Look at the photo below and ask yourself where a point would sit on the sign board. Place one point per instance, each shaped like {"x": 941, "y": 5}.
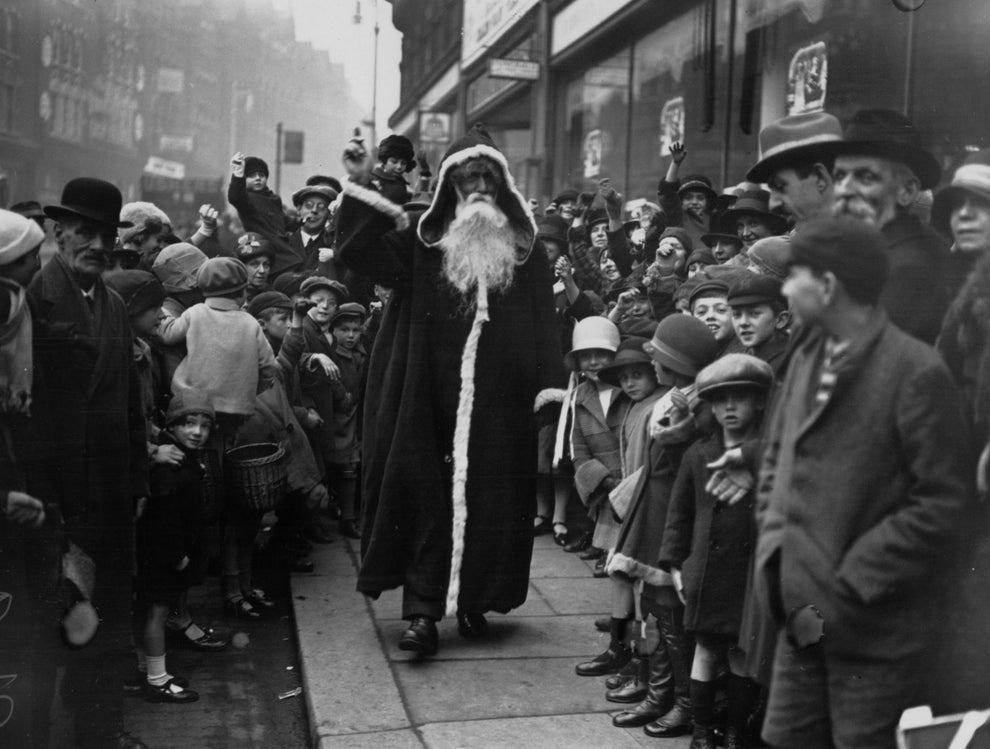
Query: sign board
{"x": 182, "y": 143}
{"x": 292, "y": 147}
{"x": 594, "y": 152}
{"x": 807, "y": 79}
{"x": 434, "y": 127}
{"x": 171, "y": 80}
{"x": 671, "y": 124}
{"x": 520, "y": 70}
{"x": 486, "y": 21}
{"x": 160, "y": 167}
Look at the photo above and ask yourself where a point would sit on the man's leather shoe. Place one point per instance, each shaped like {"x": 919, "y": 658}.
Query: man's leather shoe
{"x": 608, "y": 662}
{"x": 625, "y": 674}
{"x": 581, "y": 543}
{"x": 471, "y": 625}
{"x": 676, "y": 722}
{"x": 592, "y": 552}
{"x": 603, "y": 623}
{"x": 635, "y": 717}
{"x": 632, "y": 691}
{"x": 421, "y": 636}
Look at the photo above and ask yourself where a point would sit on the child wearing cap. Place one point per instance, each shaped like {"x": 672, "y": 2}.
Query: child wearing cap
{"x": 760, "y": 317}
{"x": 395, "y": 160}
{"x": 344, "y": 460}
{"x": 680, "y": 347}
{"x": 689, "y": 203}
{"x": 227, "y": 357}
{"x": 167, "y": 542}
{"x": 259, "y": 208}
{"x": 633, "y": 372}
{"x": 723, "y": 242}
{"x": 698, "y": 260}
{"x": 709, "y": 302}
{"x": 707, "y": 545}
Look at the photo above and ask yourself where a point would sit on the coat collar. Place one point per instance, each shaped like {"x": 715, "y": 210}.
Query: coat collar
{"x": 587, "y": 396}
{"x": 223, "y": 304}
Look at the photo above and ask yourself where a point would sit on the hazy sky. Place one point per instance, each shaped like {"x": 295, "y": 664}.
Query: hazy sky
{"x": 329, "y": 25}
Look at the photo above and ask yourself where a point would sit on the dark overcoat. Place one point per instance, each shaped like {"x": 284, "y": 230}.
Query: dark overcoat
{"x": 409, "y": 418}
{"x": 711, "y": 542}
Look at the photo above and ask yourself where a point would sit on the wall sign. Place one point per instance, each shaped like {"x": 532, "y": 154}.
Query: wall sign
{"x": 807, "y": 79}
{"x": 671, "y": 124}
{"x": 594, "y": 152}
{"x": 434, "y": 127}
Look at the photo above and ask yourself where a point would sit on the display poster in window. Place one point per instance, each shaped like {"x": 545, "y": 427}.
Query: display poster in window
{"x": 807, "y": 79}
{"x": 594, "y": 152}
{"x": 671, "y": 124}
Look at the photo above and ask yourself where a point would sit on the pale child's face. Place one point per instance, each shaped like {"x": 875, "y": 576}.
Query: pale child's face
{"x": 640, "y": 307}
{"x": 325, "y": 302}
{"x": 695, "y": 268}
{"x": 736, "y": 409}
{"x": 694, "y": 202}
{"x": 754, "y": 324}
{"x": 637, "y": 381}
{"x": 277, "y": 325}
{"x": 395, "y": 167}
{"x": 347, "y": 333}
{"x": 591, "y": 361}
{"x": 714, "y": 312}
{"x": 256, "y": 182}
{"x": 193, "y": 431}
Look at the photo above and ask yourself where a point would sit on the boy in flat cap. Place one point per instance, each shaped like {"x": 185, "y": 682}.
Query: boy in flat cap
{"x": 760, "y": 317}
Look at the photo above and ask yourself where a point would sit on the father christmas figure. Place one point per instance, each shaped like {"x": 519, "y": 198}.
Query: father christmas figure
{"x": 464, "y": 353}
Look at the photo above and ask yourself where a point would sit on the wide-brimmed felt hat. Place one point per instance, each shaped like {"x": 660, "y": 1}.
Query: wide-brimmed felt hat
{"x": 320, "y": 191}
{"x": 721, "y": 229}
{"x": 972, "y": 178}
{"x": 890, "y": 135}
{"x": 93, "y": 199}
{"x": 700, "y": 183}
{"x": 592, "y": 333}
{"x": 553, "y": 227}
{"x": 630, "y": 352}
{"x": 756, "y": 203}
{"x": 733, "y": 371}
{"x": 794, "y": 139}
{"x": 565, "y": 196}
{"x": 683, "y": 344}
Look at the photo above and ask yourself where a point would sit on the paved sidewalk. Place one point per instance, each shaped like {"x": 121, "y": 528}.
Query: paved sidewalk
{"x": 516, "y": 688}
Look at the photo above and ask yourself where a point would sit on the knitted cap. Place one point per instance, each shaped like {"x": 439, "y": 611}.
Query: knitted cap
{"x": 850, "y": 249}
{"x": 630, "y": 352}
{"x": 754, "y": 288}
{"x": 187, "y": 402}
{"x": 268, "y": 300}
{"x": 220, "y": 276}
{"x": 733, "y": 371}
{"x": 139, "y": 289}
{"x": 771, "y": 255}
{"x": 701, "y": 255}
{"x": 253, "y": 164}
{"x": 592, "y": 333}
{"x": 683, "y": 344}
{"x": 141, "y": 214}
{"x": 680, "y": 235}
{"x": 349, "y": 311}
{"x": 18, "y": 236}
{"x": 177, "y": 266}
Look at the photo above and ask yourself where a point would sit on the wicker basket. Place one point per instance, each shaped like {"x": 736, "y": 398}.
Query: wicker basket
{"x": 256, "y": 475}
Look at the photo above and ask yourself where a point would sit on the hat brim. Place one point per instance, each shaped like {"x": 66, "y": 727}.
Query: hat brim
{"x": 662, "y": 355}
{"x": 924, "y": 165}
{"x": 712, "y": 195}
{"x": 60, "y": 212}
{"x": 707, "y": 392}
{"x": 714, "y": 238}
{"x": 764, "y": 169}
{"x": 610, "y": 374}
{"x": 945, "y": 199}
{"x": 777, "y": 224}
{"x": 746, "y": 300}
{"x": 300, "y": 195}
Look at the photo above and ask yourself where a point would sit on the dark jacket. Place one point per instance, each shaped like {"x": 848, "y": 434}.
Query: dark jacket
{"x": 915, "y": 294}
{"x": 305, "y": 256}
{"x": 670, "y": 202}
{"x": 711, "y": 542}
{"x": 169, "y": 526}
{"x": 587, "y": 270}
{"x": 395, "y": 188}
{"x": 260, "y": 212}
{"x": 860, "y": 496}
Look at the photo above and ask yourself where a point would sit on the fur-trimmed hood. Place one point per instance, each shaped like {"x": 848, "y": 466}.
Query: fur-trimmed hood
{"x": 476, "y": 144}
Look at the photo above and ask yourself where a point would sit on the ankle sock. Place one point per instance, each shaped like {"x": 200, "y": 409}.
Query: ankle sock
{"x": 157, "y": 675}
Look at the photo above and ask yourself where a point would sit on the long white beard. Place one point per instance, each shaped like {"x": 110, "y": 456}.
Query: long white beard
{"x": 479, "y": 244}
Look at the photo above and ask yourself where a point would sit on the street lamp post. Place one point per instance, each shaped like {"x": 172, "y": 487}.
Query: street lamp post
{"x": 374, "y": 69}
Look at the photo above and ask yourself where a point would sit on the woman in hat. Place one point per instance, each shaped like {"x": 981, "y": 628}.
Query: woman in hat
{"x": 752, "y": 218}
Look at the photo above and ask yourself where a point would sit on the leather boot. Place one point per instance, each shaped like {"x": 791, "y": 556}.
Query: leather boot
{"x": 675, "y": 722}
{"x": 680, "y": 650}
{"x": 634, "y": 689}
{"x": 659, "y": 694}
{"x": 613, "y": 659}
{"x": 625, "y": 675}
{"x": 743, "y": 695}
{"x": 702, "y": 714}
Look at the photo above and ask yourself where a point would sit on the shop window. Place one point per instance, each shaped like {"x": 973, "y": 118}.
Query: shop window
{"x": 7, "y": 106}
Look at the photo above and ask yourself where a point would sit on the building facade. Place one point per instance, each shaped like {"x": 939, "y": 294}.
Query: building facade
{"x": 578, "y": 90}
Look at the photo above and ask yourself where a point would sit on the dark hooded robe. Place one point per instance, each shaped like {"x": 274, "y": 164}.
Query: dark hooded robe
{"x": 414, "y": 392}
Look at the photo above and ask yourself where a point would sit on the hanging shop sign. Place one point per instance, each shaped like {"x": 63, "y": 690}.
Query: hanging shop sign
{"x": 520, "y": 70}
{"x": 671, "y": 124}
{"x": 807, "y": 79}
{"x": 160, "y": 167}
{"x": 434, "y": 127}
{"x": 594, "y": 152}
{"x": 486, "y": 21}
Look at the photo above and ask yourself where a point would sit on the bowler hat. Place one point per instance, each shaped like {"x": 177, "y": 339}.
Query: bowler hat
{"x": 317, "y": 191}
{"x": 251, "y": 245}
{"x": 754, "y": 288}
{"x": 699, "y": 183}
{"x": 972, "y": 178}
{"x": 268, "y": 300}
{"x": 592, "y": 333}
{"x": 683, "y": 344}
{"x": 93, "y": 199}
{"x": 794, "y": 139}
{"x": 756, "y": 203}
{"x": 733, "y": 371}
{"x": 630, "y": 352}
{"x": 890, "y": 135}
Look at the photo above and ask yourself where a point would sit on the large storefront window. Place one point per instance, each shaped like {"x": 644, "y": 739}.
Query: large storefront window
{"x": 595, "y": 109}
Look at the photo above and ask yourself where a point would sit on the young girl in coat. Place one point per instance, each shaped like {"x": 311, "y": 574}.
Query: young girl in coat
{"x": 707, "y": 546}
{"x": 167, "y": 536}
